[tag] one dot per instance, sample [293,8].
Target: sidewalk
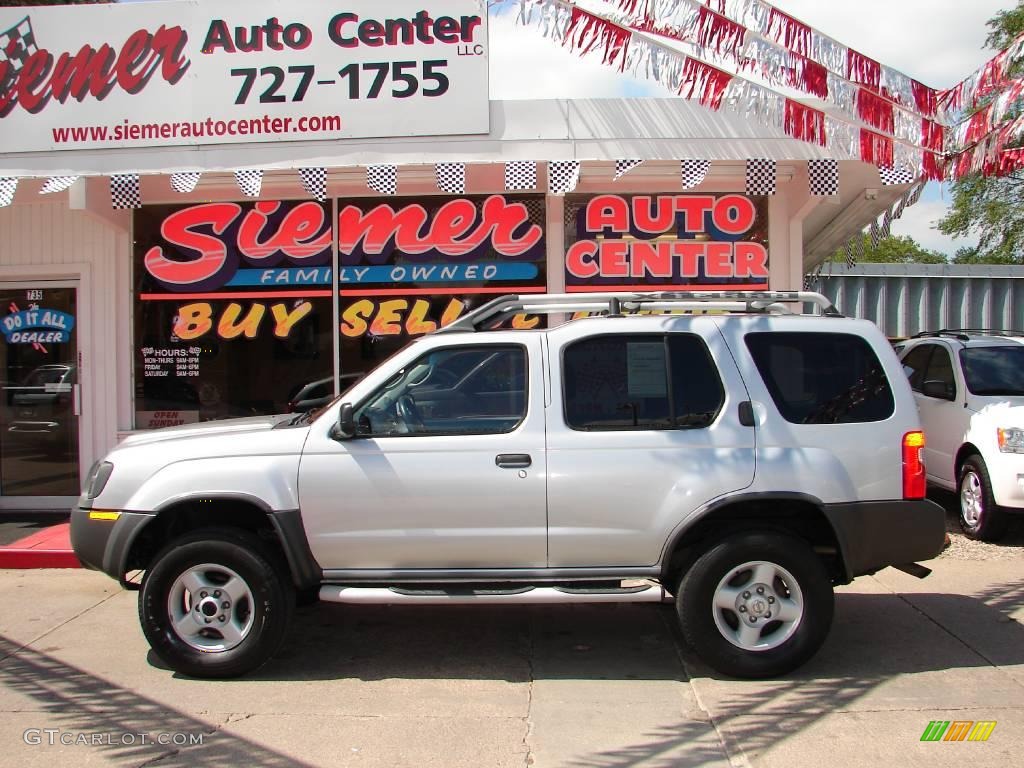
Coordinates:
[578,686]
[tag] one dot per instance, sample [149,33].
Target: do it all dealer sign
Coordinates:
[196,72]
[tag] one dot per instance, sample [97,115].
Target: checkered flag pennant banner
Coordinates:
[823,177]
[57,184]
[622,167]
[250,182]
[451,177]
[8,186]
[693,172]
[900,207]
[563,176]
[124,191]
[17,44]
[915,194]
[382,178]
[851,258]
[875,233]
[185,182]
[315,182]
[760,176]
[886,225]
[520,175]
[892,176]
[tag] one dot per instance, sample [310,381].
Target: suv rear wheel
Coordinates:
[215,603]
[980,518]
[756,605]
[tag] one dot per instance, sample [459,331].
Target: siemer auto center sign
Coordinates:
[195,72]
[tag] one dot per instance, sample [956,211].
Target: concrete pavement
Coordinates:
[609,686]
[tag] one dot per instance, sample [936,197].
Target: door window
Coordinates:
[940,368]
[38,376]
[640,382]
[916,363]
[473,390]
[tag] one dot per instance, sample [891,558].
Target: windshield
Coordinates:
[994,370]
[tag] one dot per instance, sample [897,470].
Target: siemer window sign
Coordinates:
[172,74]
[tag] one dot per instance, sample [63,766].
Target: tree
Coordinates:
[991,207]
[896,249]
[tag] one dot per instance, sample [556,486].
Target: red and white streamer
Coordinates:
[859,86]
[631,50]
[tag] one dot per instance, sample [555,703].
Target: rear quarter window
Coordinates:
[822,378]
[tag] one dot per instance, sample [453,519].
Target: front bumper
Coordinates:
[103,545]
[875,534]
[1006,471]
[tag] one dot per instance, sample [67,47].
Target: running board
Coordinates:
[523,595]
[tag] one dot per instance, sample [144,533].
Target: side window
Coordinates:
[822,378]
[916,363]
[640,382]
[475,390]
[940,369]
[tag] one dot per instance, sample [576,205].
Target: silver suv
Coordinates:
[740,462]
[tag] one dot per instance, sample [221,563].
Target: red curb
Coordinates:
[48,548]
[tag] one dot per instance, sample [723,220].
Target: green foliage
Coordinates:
[897,249]
[1005,27]
[990,208]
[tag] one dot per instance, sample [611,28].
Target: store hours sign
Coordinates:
[234,71]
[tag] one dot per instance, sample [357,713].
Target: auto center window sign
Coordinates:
[667,242]
[234,71]
[238,270]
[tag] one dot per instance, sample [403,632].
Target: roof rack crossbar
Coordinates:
[499,309]
[960,333]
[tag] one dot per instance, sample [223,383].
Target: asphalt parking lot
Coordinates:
[610,686]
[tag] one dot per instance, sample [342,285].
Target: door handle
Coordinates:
[746,414]
[513,460]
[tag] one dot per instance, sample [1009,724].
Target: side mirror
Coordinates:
[346,428]
[938,389]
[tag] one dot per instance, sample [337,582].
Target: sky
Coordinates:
[938,42]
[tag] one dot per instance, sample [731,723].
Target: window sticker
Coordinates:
[646,365]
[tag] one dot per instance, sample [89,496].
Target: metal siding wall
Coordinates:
[905,304]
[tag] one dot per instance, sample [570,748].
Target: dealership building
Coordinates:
[201,258]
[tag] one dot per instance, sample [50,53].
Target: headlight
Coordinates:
[98,477]
[1011,440]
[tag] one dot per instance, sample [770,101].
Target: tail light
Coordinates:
[913,466]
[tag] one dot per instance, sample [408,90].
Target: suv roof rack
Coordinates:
[961,334]
[500,309]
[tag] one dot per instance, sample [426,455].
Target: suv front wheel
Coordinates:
[980,518]
[215,603]
[756,605]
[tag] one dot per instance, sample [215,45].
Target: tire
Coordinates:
[980,518]
[731,573]
[201,630]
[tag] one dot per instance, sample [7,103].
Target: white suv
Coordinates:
[742,463]
[969,388]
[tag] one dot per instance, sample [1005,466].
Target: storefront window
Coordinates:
[233,301]
[233,309]
[666,242]
[409,266]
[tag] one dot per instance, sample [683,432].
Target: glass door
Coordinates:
[39,410]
